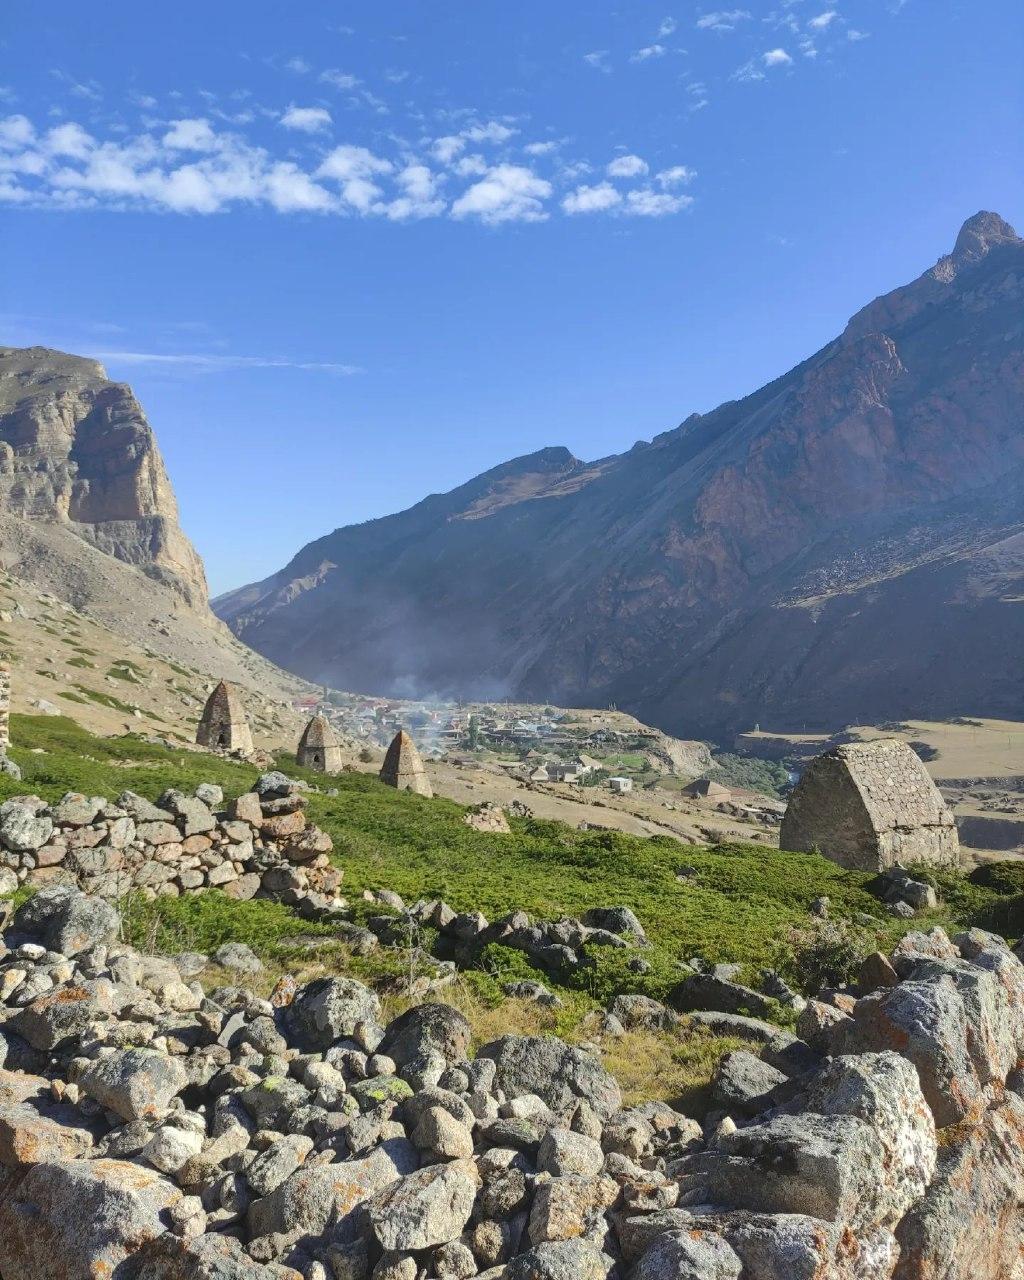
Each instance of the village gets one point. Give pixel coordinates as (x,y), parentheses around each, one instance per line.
(588,748)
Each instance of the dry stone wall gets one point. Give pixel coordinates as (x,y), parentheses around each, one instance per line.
(258,845)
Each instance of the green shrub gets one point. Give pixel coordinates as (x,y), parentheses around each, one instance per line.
(751,774)
(828,954)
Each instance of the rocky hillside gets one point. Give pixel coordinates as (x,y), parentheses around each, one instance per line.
(160,1119)
(846,545)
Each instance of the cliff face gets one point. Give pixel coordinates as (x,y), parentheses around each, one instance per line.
(77,452)
(846,544)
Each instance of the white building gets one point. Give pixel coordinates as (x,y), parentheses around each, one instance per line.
(620,785)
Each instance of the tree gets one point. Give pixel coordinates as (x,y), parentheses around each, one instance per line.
(474,733)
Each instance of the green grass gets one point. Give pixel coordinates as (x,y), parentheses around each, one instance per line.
(742,904)
(82,662)
(125,670)
(104,699)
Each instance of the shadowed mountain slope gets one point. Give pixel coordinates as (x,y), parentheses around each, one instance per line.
(844,545)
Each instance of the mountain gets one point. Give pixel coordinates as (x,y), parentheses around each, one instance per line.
(77,453)
(845,545)
(88,518)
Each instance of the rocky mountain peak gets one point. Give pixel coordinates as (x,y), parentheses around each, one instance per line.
(76,451)
(980,233)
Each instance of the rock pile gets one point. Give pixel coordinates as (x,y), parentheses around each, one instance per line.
(153,1130)
(258,845)
(555,945)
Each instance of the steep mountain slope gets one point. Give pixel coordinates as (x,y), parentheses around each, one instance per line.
(845,545)
(88,516)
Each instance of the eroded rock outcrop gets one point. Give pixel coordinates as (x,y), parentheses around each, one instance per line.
(76,450)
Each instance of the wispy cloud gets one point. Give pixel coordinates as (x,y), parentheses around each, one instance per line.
(777,58)
(667,28)
(823,20)
(339,79)
(598,59)
(196,362)
(723,20)
(648,52)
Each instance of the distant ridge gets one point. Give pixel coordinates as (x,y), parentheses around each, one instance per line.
(844,545)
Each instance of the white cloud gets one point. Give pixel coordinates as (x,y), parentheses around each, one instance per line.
(190,166)
(626,167)
(338,79)
(650,51)
(493,131)
(598,59)
(509,193)
(299,65)
(594,199)
(190,135)
(823,20)
(69,140)
(354,169)
(777,58)
(306,119)
(853,34)
(667,28)
(677,176)
(420,198)
(15,132)
(447,148)
(723,20)
(750,71)
(290,190)
(473,166)
(201,363)
(646,203)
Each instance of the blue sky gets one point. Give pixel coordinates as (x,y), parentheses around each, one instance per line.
(352,253)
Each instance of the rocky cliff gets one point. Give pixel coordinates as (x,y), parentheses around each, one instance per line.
(76,452)
(844,545)
(88,518)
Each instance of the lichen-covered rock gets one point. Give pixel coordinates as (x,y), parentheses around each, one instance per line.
(427,1028)
(424,1209)
(561,1260)
(968,1225)
(137,1084)
(329,1009)
(28,1136)
(65,920)
(927,1023)
(883,1089)
(561,1151)
(315,1197)
(559,1074)
(21,830)
(81,1219)
(689,1255)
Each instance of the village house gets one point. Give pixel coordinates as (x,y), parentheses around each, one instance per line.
(621,786)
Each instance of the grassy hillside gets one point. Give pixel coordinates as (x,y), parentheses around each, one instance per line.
(741,903)
(727,902)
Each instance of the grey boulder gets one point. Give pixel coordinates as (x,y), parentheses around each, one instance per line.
(559,1074)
